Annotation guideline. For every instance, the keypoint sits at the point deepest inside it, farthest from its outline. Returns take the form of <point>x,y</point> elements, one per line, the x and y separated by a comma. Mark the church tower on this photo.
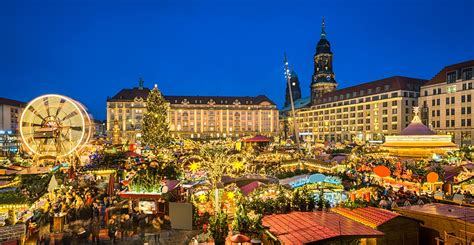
<point>295,89</point>
<point>323,76</point>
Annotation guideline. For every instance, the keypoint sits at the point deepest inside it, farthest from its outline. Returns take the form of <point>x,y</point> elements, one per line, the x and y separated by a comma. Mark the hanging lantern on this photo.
<point>382,171</point>
<point>432,177</point>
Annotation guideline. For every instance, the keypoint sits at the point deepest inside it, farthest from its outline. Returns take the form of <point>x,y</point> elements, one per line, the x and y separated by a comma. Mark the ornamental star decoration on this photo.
<point>194,167</point>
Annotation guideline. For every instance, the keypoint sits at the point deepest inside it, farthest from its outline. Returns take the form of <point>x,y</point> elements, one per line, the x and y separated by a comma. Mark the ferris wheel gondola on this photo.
<point>54,126</point>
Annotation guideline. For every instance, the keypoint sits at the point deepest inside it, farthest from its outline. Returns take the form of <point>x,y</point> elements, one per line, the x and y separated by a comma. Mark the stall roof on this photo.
<point>445,211</point>
<point>287,181</point>
<point>246,189</point>
<point>307,227</point>
<point>257,138</point>
<point>370,216</point>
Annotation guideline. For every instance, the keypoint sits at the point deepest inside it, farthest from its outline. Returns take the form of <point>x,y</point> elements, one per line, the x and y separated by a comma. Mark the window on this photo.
<point>438,112</point>
<point>468,110</point>
<point>432,102</point>
<point>447,112</point>
<point>452,112</point>
<point>452,123</point>
<point>467,74</point>
<point>451,77</point>
<point>468,98</point>
<point>432,113</point>
<point>394,103</point>
<point>464,86</point>
<point>463,99</point>
<point>468,122</point>
<point>463,122</point>
<point>447,101</point>
<point>438,101</point>
<point>447,123</point>
<point>452,100</point>
<point>426,92</point>
<point>394,126</point>
<point>385,104</point>
<point>451,89</point>
<point>463,110</point>
<point>434,91</point>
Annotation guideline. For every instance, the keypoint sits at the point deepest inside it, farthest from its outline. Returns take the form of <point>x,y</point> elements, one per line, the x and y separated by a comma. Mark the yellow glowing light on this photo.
<point>238,165</point>
<point>202,198</point>
<point>194,167</point>
<point>230,195</point>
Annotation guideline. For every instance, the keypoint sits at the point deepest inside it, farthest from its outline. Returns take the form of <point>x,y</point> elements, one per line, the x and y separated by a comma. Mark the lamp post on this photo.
<point>295,124</point>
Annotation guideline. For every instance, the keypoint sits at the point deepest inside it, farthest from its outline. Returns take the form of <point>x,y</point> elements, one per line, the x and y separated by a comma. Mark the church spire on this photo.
<point>323,31</point>
<point>140,83</point>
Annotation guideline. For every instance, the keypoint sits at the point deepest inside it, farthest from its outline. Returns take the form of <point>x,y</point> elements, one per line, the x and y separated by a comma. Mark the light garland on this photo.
<point>10,184</point>
<point>102,171</point>
<point>13,206</point>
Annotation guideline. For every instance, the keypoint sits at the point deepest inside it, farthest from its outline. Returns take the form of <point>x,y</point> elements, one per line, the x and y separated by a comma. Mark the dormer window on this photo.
<point>467,74</point>
<point>451,77</point>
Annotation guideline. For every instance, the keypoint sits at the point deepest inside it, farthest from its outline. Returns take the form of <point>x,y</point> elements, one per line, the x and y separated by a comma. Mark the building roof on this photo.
<point>131,94</point>
<point>370,216</point>
<point>299,103</point>
<point>445,211</point>
<point>10,102</point>
<point>440,77</point>
<point>391,83</point>
<point>307,227</point>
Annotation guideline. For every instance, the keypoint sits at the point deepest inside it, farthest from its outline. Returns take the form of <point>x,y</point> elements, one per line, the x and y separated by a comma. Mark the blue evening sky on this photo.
<point>89,50</point>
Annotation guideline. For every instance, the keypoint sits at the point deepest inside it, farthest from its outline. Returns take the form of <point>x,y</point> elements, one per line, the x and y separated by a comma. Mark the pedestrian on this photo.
<point>128,225</point>
<point>157,222</point>
<point>95,230</point>
<point>142,220</point>
<point>135,220</point>
<point>112,229</point>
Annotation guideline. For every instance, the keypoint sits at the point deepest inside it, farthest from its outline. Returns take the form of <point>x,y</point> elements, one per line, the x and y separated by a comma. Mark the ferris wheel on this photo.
<point>54,126</point>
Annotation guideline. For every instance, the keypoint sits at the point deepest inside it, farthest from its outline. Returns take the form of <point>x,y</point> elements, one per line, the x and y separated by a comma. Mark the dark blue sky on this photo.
<point>89,50</point>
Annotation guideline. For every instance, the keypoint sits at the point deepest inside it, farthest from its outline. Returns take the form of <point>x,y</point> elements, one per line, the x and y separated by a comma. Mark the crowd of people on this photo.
<point>87,209</point>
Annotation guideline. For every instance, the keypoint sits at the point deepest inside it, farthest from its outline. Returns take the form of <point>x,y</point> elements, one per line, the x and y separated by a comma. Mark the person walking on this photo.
<point>95,230</point>
<point>112,230</point>
<point>142,224</point>
<point>157,222</point>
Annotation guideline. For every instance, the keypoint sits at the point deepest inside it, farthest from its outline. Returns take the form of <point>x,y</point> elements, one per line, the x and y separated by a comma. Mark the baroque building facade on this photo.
<point>10,113</point>
<point>365,112</point>
<point>196,117</point>
<point>446,102</point>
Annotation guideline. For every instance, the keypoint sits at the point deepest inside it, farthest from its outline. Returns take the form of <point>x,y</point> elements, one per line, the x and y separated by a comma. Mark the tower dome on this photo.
<point>323,80</point>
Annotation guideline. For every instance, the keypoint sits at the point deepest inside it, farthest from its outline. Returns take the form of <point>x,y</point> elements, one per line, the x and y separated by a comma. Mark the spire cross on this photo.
<point>323,31</point>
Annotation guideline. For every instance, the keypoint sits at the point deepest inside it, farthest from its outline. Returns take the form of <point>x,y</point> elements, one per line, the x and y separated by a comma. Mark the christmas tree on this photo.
<point>155,131</point>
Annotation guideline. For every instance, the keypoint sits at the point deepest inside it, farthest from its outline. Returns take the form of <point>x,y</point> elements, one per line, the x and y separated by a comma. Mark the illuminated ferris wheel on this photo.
<point>54,126</point>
